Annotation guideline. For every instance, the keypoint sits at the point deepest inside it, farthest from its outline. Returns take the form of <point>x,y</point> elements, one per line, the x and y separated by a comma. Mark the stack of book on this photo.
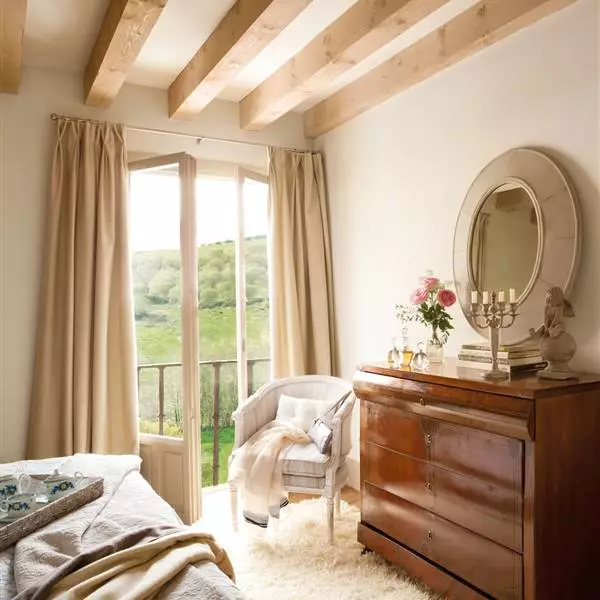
<point>512,359</point>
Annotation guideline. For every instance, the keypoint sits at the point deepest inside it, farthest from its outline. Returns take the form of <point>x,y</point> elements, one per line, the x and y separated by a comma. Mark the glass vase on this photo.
<point>435,348</point>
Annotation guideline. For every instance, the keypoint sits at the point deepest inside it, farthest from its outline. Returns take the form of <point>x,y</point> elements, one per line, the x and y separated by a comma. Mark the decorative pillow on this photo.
<point>301,412</point>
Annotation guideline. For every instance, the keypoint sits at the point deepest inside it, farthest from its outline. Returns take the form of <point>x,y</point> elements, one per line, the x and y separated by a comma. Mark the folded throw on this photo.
<point>256,470</point>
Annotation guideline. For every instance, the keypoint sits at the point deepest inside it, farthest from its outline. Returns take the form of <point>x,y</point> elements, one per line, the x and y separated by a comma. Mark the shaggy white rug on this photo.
<point>297,562</point>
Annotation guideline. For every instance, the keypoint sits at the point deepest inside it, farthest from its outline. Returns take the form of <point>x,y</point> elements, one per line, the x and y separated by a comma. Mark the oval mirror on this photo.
<point>518,228</point>
<point>505,241</point>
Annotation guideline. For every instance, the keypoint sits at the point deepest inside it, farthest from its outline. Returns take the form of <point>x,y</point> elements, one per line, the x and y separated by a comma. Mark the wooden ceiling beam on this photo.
<point>363,29</point>
<point>245,30</point>
<point>126,27</point>
<point>12,29</point>
<point>482,25</point>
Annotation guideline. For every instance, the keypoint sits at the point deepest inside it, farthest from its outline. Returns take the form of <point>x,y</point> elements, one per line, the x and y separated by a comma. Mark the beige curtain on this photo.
<point>84,396</point>
<point>302,317</point>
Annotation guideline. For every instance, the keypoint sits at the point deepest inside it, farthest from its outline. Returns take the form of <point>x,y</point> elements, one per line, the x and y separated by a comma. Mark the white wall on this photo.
<point>398,174</point>
<point>26,142</point>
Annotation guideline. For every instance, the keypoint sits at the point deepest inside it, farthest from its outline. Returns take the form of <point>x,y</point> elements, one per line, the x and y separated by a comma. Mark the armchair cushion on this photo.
<point>304,459</point>
<point>301,412</point>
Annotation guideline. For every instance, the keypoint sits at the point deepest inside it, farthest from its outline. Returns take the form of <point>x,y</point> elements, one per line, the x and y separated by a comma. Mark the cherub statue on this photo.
<point>557,346</point>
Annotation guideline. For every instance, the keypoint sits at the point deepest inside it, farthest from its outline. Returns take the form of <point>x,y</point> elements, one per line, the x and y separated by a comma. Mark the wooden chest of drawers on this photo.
<point>481,489</point>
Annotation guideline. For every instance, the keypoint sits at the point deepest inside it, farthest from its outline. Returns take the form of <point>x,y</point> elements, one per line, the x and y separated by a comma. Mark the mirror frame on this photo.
<point>559,238</point>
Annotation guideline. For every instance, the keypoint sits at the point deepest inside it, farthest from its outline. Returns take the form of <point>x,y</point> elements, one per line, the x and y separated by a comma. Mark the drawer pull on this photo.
<point>430,535</point>
<point>429,486</point>
<point>428,439</point>
<point>422,401</point>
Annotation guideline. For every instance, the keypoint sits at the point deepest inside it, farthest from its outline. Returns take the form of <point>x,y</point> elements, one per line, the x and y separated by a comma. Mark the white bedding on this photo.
<point>128,503</point>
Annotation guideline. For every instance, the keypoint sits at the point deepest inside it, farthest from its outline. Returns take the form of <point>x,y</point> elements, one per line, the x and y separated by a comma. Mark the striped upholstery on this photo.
<point>304,459</point>
<point>312,483</point>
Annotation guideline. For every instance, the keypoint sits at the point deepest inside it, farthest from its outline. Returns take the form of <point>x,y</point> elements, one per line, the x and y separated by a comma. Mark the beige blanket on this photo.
<point>141,572</point>
<point>256,470</point>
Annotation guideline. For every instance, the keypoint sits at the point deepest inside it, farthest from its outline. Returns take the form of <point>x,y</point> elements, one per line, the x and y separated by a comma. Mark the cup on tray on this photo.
<point>58,485</point>
<point>11,484</point>
<point>17,505</point>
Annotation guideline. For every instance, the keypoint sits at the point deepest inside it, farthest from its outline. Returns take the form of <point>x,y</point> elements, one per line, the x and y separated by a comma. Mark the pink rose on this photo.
<point>446,298</point>
<point>419,295</point>
<point>430,283</point>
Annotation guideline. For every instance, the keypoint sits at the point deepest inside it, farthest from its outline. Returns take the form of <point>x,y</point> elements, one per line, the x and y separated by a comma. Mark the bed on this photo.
<point>128,503</point>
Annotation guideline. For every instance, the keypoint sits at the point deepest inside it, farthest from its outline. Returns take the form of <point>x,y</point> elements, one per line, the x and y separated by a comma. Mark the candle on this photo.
<point>486,297</point>
<point>512,295</point>
<point>501,296</point>
<point>474,298</point>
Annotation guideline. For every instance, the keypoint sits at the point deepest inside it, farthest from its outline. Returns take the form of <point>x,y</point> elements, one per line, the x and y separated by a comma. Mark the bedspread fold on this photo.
<point>134,566</point>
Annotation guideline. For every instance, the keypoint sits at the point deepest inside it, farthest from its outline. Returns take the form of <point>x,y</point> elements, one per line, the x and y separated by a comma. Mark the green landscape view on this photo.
<point>157,296</point>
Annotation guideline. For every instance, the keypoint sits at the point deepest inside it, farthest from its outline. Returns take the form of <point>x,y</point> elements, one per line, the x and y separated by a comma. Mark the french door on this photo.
<point>162,189</point>
<point>200,277</point>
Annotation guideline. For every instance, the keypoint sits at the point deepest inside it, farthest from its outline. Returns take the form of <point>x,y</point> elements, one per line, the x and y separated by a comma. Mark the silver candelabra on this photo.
<point>495,315</point>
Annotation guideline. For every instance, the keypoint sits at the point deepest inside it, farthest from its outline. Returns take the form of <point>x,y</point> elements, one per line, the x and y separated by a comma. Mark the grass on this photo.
<point>226,439</point>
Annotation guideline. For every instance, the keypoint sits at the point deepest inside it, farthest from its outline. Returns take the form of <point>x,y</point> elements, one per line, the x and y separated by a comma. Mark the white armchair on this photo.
<point>305,469</point>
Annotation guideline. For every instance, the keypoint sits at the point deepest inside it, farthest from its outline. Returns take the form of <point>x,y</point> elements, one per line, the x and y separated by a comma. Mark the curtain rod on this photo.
<point>198,138</point>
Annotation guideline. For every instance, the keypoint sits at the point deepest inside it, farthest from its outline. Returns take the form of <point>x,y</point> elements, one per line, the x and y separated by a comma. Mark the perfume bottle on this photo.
<point>404,350</point>
<point>394,355</point>
<point>420,362</point>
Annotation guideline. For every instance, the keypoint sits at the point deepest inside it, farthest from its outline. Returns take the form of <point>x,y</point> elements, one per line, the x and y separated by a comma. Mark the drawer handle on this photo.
<point>422,401</point>
<point>428,439</point>
<point>430,535</point>
<point>429,486</point>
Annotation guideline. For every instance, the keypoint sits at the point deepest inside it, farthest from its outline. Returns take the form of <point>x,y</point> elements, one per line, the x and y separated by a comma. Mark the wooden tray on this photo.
<point>89,489</point>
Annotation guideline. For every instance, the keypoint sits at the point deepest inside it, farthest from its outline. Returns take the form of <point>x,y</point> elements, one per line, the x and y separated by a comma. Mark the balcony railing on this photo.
<point>216,415</point>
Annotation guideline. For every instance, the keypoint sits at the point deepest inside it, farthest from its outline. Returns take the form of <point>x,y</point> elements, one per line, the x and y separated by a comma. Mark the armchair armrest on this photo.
<point>341,442</point>
<point>254,413</point>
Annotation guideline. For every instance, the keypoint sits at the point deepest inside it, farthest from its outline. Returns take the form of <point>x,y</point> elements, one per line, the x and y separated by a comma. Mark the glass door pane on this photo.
<point>217,314</point>
<point>255,197</point>
<point>156,258</point>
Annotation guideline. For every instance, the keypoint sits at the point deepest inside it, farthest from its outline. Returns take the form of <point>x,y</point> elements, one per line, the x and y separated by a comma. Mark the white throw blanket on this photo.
<point>256,470</point>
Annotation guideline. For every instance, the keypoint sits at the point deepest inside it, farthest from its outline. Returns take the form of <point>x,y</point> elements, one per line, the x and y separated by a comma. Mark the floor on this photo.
<point>216,507</point>
<point>266,569</point>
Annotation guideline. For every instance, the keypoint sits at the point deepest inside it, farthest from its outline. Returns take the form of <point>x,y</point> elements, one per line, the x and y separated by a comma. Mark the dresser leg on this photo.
<point>366,551</point>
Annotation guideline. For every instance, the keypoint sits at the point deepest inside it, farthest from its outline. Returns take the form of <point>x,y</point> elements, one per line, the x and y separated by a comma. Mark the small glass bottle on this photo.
<point>404,350</point>
<point>420,362</point>
<point>394,355</point>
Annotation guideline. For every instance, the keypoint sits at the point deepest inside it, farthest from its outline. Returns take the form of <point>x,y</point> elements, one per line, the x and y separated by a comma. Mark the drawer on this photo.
<point>487,456</point>
<point>492,568</point>
<point>491,511</point>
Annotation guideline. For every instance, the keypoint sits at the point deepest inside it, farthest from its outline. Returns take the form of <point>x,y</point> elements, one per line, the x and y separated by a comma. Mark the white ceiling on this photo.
<point>60,34</point>
<point>180,31</point>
